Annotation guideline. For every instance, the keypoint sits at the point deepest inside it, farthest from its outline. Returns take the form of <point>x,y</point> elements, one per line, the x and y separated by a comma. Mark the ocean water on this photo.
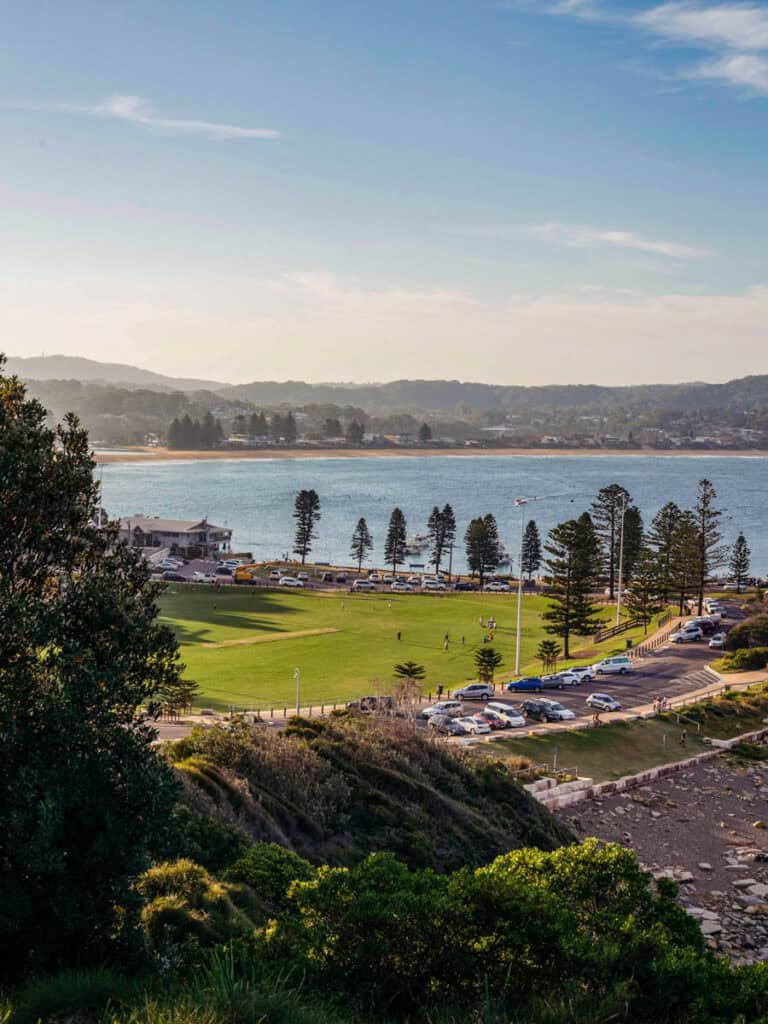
<point>254,497</point>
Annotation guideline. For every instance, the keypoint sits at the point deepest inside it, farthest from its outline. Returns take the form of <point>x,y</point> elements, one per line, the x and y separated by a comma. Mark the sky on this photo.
<point>513,192</point>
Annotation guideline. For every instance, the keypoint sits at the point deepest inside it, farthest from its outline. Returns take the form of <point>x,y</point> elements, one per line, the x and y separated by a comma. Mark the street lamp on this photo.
<point>520,503</point>
<point>297,680</point>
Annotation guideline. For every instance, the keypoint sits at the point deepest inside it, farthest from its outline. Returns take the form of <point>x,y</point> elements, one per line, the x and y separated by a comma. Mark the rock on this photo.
<point>710,915</point>
<point>759,890</point>
<point>710,928</point>
<point>655,814</point>
<point>703,866</point>
<point>758,824</point>
<point>744,883</point>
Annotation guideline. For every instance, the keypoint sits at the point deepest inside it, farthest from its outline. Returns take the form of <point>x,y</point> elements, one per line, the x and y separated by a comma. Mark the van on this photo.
<point>620,663</point>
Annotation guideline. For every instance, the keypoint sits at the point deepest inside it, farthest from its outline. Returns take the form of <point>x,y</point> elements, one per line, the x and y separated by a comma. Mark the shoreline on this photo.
<point>164,455</point>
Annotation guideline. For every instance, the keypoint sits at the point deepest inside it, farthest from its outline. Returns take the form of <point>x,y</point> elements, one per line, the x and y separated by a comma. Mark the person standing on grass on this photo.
<point>445,644</point>
<point>462,640</point>
<point>399,635</point>
<point>684,738</point>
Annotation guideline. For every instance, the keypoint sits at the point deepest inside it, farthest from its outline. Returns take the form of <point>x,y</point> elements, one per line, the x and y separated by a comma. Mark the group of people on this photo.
<point>660,704</point>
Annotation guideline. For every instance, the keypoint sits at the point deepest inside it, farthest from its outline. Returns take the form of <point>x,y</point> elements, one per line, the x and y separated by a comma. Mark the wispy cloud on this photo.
<point>736,32</point>
<point>138,111</point>
<point>582,236</point>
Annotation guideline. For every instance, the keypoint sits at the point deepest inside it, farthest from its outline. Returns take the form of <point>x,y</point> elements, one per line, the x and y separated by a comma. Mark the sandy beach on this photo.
<point>164,455</point>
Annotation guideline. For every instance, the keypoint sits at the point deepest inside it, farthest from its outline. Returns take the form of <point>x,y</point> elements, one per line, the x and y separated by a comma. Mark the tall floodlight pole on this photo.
<point>297,680</point>
<point>621,559</point>
<point>521,502</point>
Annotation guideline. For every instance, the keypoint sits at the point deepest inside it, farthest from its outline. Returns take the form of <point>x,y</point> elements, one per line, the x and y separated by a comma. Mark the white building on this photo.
<point>193,539</point>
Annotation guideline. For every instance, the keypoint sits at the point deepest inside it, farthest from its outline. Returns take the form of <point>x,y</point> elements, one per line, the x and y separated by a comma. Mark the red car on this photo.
<point>492,719</point>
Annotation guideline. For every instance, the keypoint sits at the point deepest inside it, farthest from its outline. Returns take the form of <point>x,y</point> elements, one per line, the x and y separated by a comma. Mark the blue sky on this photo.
<point>515,192</point>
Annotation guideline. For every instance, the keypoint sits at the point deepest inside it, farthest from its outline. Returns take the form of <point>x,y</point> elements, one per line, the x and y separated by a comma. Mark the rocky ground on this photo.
<point>706,827</point>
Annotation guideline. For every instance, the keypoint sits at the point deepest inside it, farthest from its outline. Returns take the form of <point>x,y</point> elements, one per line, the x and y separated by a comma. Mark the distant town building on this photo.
<point>191,538</point>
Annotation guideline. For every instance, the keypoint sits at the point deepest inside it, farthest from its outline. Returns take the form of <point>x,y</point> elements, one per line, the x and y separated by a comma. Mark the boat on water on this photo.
<point>415,545</point>
<point>504,556</point>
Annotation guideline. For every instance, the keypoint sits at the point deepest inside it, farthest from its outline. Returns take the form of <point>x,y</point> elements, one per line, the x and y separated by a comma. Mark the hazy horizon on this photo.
<point>571,191</point>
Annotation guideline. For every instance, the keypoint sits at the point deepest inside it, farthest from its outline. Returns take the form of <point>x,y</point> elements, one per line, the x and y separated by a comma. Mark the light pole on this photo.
<point>297,680</point>
<point>520,503</point>
<point>621,559</point>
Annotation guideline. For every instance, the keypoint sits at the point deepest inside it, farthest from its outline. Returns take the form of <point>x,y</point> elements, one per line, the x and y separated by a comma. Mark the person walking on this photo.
<point>462,640</point>
<point>683,737</point>
<point>445,645</point>
<point>399,635</point>
<point>481,621</point>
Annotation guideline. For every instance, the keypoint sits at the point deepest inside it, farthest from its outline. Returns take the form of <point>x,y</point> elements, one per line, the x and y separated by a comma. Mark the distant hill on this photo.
<point>77,368</point>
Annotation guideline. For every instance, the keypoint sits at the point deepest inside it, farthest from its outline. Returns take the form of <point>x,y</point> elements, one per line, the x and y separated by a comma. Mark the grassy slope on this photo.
<point>624,748</point>
<point>352,661</point>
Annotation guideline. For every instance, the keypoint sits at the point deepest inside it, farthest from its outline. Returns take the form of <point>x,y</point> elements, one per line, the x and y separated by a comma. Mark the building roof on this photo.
<point>154,524</point>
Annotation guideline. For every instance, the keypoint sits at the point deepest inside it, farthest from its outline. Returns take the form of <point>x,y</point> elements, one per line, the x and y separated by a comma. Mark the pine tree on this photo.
<point>355,432</point>
<point>662,539</point>
<point>740,562</point>
<point>394,545</point>
<point>175,435</point>
<point>425,433</point>
<point>643,600</point>
<point>306,512</point>
<point>84,798</point>
<point>482,546</point>
<point>441,530</point>
<point>531,554</point>
<point>548,652</point>
<point>711,554</point>
<point>276,427</point>
<point>685,559</point>
<point>187,433</point>
<point>572,566</point>
<point>487,660</point>
<point>362,542</point>
<point>606,514</point>
<point>209,435</point>
<point>331,427</point>
<point>289,428</point>
<point>633,542</point>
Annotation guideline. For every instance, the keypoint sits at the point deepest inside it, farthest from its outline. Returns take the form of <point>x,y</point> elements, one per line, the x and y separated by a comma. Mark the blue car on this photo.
<point>526,683</point>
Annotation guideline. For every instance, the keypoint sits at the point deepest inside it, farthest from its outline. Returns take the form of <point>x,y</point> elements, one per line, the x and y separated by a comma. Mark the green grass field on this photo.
<point>354,646</point>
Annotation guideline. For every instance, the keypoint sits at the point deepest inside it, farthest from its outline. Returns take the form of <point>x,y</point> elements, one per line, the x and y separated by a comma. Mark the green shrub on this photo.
<point>746,659</point>
<point>71,994</point>
<point>186,905</point>
<point>751,632</point>
<point>269,870</point>
<point>203,839</point>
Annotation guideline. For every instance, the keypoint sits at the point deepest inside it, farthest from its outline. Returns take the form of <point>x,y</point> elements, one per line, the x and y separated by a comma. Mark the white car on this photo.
<point>432,585</point>
<point>170,563</point>
<point>603,702</point>
<point>511,716</point>
<point>452,708</point>
<point>373,577</point>
<point>688,635</point>
<point>290,581</point>
<point>474,725</point>
<point>620,663</point>
<point>400,588</point>
<point>717,642</point>
<point>275,574</point>
<point>414,581</point>
<point>364,585</point>
<point>204,577</point>
<point>303,576</point>
<point>498,587</point>
<point>568,678</point>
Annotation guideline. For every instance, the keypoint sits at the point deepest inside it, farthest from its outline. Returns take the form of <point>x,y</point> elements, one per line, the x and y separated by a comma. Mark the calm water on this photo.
<point>255,497</point>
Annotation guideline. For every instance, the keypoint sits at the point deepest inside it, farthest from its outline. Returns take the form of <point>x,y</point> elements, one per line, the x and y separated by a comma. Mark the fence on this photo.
<point>606,634</point>
<point>651,645</point>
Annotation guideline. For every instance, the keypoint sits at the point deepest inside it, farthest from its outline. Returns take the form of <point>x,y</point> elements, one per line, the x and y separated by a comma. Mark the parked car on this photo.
<point>569,678</point>
<point>204,577</point>
<point>275,574</point>
<point>603,702</point>
<point>326,577</point>
<point>620,663</point>
<point>474,691</point>
<point>290,581</point>
<point>341,577</point>
<point>414,581</point>
<point>511,715</point>
<point>303,576</point>
<point>474,725</point>
<point>169,563</point>
<point>433,585</point>
<point>717,642</point>
<point>446,725</point>
<point>687,635</point>
<point>526,683</point>
<point>584,672</point>
<point>366,585</point>
<point>224,570</point>
<point>453,708</point>
<point>552,682</point>
<point>498,587</point>
<point>401,588</point>
<point>173,576</point>
<point>491,718</point>
<point>546,710</point>
<point>465,585</point>
<point>373,577</point>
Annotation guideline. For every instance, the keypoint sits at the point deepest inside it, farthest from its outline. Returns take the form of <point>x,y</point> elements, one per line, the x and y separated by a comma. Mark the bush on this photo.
<point>746,659</point>
<point>71,994</point>
<point>751,632</point>
<point>203,839</point>
<point>269,870</point>
<point>187,907</point>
